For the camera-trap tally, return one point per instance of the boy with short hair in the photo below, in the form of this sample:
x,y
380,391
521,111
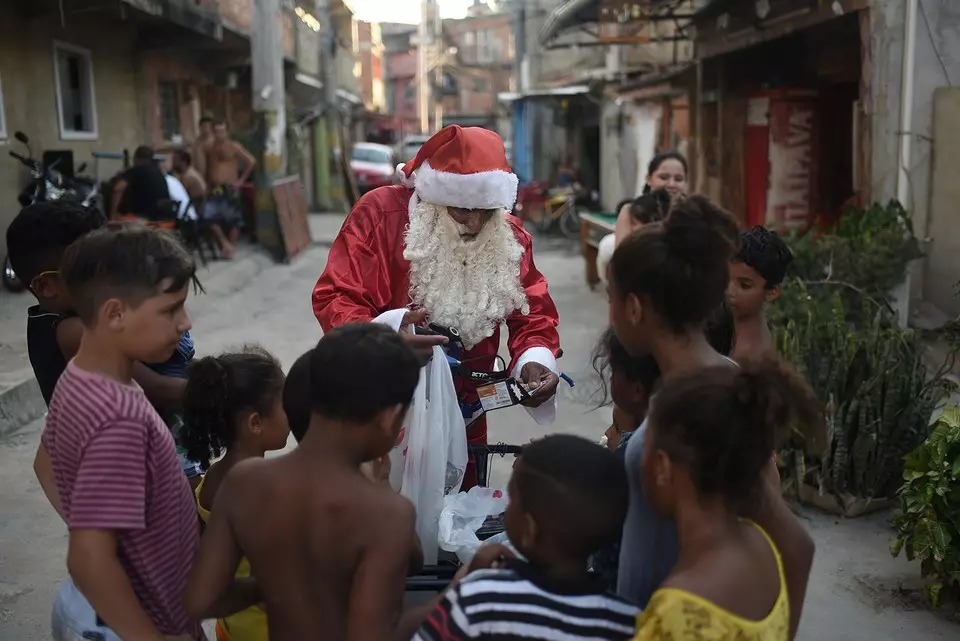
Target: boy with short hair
x,y
36,241
756,273
568,499
130,512
329,549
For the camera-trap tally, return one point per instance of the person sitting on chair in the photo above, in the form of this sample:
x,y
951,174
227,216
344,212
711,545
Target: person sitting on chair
x,y
141,192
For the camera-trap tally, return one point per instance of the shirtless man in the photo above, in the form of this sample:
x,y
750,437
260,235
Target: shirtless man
x,y
191,178
201,145
222,208
329,548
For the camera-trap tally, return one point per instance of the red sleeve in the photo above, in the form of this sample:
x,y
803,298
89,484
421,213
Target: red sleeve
x,y
447,622
538,328
110,489
355,285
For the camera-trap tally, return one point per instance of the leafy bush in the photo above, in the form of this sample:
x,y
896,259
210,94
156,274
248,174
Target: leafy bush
x,y
928,525
877,395
863,258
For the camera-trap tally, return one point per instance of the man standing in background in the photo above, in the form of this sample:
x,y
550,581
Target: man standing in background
x,y
224,178
201,144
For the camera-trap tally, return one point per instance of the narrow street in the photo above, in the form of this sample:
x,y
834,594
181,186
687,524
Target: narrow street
x,y
854,590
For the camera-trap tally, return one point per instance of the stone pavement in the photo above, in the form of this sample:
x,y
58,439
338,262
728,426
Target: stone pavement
x,y
855,588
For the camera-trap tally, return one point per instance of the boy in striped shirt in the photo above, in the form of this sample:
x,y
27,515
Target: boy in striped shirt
x,y
568,498
128,506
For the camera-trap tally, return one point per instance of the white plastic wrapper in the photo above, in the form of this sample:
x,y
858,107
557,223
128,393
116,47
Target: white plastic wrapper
x,y
463,514
431,456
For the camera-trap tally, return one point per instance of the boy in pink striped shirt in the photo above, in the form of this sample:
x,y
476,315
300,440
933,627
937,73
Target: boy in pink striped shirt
x,y
131,514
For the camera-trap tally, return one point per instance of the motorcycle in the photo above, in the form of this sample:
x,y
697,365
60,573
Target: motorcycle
x,y
47,184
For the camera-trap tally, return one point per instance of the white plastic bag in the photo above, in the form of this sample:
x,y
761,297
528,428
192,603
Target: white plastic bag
x,y
432,455
463,514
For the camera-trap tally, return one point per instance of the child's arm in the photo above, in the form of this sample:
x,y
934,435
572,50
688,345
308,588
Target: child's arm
x,y
376,596
93,565
212,591
162,391
796,547
43,468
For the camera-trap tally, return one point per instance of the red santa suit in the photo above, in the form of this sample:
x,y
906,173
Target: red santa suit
x,y
399,248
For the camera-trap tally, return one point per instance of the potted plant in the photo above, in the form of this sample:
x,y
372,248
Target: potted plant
x,y
835,324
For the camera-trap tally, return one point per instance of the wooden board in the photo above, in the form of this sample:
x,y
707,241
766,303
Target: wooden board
x,y
291,215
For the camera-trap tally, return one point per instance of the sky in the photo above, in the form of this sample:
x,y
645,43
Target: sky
x,y
403,10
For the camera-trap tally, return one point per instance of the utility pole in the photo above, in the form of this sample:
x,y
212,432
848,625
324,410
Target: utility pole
x,y
269,97
423,80
328,123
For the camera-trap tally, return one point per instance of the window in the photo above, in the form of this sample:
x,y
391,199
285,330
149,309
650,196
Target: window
x,y
3,117
169,109
408,93
480,85
76,101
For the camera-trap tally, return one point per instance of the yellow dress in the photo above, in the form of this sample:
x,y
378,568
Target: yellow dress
x,y
248,625
678,615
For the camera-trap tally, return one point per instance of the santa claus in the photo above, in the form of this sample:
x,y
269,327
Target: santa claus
x,y
443,247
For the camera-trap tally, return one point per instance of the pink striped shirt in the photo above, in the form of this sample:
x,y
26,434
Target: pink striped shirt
x,y
116,468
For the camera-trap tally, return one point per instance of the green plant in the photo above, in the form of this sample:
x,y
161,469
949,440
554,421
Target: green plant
x,y
928,525
877,395
862,258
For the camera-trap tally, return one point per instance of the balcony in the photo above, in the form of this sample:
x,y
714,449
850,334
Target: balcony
x,y
201,16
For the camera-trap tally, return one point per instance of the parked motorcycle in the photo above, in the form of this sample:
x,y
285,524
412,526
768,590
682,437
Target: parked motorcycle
x,y
47,184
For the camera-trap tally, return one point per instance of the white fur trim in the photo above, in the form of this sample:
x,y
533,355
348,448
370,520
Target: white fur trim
x,y
483,190
405,180
546,413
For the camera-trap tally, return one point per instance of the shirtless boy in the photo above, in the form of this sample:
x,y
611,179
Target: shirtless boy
x,y
756,273
222,208
329,548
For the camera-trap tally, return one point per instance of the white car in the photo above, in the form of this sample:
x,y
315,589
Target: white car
x,y
373,165
410,146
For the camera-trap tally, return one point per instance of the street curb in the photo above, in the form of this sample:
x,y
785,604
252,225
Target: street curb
x,y
23,403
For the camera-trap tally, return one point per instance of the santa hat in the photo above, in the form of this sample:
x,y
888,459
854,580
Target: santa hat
x,y
462,167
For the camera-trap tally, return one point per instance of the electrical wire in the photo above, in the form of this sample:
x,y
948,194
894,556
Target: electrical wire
x,y
933,42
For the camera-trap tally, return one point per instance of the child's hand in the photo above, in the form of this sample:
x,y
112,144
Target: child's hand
x,y
489,556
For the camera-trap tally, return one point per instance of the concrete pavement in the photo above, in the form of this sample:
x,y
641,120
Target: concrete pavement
x,y
854,590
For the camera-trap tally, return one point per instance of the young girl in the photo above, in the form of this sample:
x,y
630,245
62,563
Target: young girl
x,y
233,408
631,381
666,283
709,441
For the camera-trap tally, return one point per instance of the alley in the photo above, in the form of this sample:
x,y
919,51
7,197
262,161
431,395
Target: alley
x,y
854,591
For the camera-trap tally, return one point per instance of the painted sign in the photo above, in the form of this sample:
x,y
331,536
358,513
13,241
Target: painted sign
x,y
790,198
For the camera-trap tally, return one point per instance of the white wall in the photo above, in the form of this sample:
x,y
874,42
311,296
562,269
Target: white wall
x,y
937,64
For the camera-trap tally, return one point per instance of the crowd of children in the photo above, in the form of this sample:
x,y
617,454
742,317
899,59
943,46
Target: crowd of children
x,y
676,525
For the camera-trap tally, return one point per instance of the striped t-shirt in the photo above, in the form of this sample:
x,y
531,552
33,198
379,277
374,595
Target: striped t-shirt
x,y
116,468
518,603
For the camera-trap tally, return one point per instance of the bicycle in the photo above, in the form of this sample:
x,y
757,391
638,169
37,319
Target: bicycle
x,y
559,208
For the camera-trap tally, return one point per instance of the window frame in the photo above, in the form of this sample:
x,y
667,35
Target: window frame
x,y
66,134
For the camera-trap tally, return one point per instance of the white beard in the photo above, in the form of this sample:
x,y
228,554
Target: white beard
x,y
470,285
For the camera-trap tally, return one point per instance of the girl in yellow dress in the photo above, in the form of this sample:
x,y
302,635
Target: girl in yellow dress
x,y
233,408
707,461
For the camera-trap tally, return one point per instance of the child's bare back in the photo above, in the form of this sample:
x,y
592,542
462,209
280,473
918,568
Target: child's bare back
x,y
315,537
